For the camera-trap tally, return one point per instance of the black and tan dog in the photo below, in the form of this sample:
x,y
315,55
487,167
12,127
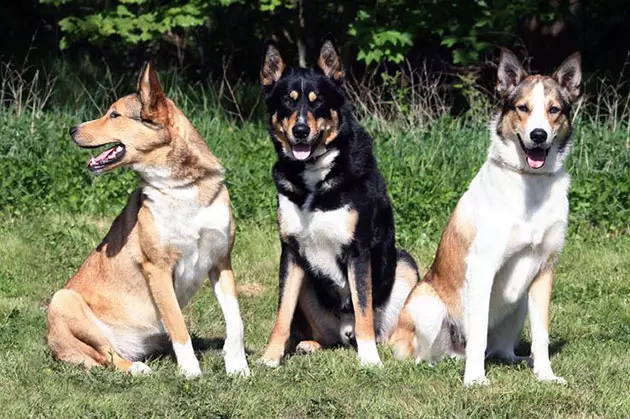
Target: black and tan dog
x,y
125,301
340,272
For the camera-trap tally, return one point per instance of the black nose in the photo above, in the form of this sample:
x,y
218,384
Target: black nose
x,y
349,334
73,130
538,135
301,131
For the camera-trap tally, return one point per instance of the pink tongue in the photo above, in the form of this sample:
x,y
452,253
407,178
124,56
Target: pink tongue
x,y
104,154
536,158
301,151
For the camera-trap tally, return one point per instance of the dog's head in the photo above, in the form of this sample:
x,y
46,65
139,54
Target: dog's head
x,y
134,128
303,105
533,127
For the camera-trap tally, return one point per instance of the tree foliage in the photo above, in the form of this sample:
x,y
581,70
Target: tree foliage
x,y
376,31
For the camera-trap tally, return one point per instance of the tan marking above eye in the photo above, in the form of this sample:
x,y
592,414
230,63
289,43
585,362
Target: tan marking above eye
x,y
294,94
312,97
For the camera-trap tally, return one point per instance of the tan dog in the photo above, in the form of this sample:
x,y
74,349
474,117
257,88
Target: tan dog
x,y
125,301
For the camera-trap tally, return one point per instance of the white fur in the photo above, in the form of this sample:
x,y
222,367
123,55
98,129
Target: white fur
x,y
386,316
508,151
520,221
318,170
201,234
538,113
321,235
139,368
368,354
233,348
428,313
186,359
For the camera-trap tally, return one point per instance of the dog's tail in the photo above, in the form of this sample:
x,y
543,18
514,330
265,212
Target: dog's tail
x,y
403,336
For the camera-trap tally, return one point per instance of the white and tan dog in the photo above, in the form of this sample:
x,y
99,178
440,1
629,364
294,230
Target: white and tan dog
x,y
496,258
125,301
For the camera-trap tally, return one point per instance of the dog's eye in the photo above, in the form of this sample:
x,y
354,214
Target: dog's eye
x,y
114,115
554,110
522,108
287,101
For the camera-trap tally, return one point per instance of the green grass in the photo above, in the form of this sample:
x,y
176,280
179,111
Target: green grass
x,y
53,213
590,332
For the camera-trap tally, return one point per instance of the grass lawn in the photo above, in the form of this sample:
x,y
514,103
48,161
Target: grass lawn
x,y
590,340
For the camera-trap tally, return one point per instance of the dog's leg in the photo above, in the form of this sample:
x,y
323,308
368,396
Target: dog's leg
x,y
427,312
291,277
234,347
73,336
323,324
482,264
360,281
160,281
538,304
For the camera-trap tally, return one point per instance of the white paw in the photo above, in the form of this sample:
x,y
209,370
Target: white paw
x,y
476,381
271,363
236,365
190,371
550,377
368,354
139,368
371,361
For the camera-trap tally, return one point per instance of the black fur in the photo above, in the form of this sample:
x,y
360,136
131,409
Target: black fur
x,y
353,180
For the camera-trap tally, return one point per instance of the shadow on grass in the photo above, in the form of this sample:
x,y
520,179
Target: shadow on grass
x,y
200,345
523,351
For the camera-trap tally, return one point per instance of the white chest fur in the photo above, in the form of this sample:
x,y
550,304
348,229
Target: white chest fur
x,y
200,233
320,234
520,222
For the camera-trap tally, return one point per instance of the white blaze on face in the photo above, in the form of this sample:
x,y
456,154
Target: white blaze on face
x,y
538,116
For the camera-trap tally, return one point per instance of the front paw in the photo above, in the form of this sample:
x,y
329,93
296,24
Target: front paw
x,y
236,366
269,362
473,381
550,377
191,370
370,360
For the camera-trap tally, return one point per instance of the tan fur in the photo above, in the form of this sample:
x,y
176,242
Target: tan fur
x,y
540,290
329,127
282,325
279,131
293,94
444,279
364,316
448,271
402,339
312,96
516,119
128,279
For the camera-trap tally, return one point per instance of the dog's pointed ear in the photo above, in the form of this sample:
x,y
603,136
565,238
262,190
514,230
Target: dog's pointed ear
x,y
569,75
329,61
150,91
510,72
273,65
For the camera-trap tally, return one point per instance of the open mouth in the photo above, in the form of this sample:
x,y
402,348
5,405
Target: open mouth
x,y
535,156
301,151
112,154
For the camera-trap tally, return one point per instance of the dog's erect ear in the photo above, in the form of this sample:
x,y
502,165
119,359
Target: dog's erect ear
x,y
510,72
329,60
569,75
273,66
151,93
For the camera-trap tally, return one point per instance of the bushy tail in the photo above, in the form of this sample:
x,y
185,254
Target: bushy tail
x,y
402,339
